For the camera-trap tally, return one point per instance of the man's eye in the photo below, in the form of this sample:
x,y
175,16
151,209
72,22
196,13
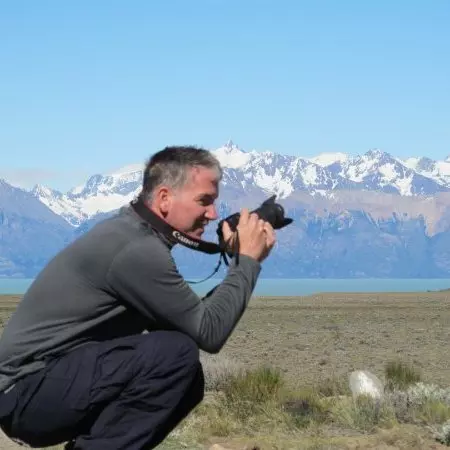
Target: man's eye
x,y
205,201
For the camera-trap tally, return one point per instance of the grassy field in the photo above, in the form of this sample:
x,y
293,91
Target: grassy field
x,y
309,346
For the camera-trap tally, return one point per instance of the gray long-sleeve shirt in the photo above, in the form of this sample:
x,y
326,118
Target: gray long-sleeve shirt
x,y
117,279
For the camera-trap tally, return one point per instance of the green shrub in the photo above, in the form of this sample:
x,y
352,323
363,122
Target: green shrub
x,y
400,375
257,386
252,394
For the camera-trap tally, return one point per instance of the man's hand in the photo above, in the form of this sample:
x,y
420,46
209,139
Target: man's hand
x,y
256,236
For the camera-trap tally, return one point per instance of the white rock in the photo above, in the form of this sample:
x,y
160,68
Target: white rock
x,y
363,382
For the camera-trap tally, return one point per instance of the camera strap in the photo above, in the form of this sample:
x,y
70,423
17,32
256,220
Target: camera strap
x,y
178,237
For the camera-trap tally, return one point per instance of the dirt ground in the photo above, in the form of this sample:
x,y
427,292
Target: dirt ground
x,y
312,338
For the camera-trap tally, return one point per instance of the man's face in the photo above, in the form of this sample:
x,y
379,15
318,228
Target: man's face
x,y
192,206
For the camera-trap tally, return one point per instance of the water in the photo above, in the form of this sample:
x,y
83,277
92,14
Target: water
x,y
291,287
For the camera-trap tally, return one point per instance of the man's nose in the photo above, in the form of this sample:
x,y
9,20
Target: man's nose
x,y
211,213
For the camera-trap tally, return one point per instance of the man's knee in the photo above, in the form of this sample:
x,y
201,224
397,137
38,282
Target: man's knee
x,y
171,349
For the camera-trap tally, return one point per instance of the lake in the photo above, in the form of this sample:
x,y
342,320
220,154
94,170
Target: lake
x,y
291,287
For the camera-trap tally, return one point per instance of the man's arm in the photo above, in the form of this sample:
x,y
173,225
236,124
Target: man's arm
x,y
144,275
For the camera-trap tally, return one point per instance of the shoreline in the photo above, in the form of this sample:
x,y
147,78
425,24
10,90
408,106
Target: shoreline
x,y
302,287
338,295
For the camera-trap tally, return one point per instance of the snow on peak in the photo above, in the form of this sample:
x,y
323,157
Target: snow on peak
x,y
129,173
438,171
77,190
410,163
328,158
59,204
231,156
271,172
230,144
40,190
376,155
375,152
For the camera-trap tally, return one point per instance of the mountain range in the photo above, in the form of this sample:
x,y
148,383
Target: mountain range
x,y
370,215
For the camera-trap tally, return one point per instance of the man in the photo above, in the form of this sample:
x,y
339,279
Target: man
x,y
75,363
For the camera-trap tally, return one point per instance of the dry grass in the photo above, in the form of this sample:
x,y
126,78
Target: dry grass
x,y
217,369
315,342
257,410
281,381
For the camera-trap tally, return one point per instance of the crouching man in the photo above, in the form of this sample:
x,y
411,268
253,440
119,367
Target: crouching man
x,y
75,363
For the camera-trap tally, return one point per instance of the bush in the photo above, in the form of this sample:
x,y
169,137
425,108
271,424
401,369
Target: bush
x,y
363,413
307,407
442,434
248,402
422,392
433,412
258,403
258,386
332,387
400,375
218,369
426,403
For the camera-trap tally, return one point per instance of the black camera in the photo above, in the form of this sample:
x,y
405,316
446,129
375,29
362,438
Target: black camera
x,y
269,211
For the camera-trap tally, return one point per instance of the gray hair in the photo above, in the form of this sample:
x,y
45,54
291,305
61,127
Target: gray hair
x,y
171,166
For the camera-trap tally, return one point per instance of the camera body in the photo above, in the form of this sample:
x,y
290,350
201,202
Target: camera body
x,y
269,211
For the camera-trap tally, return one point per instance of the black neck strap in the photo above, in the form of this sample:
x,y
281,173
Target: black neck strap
x,y
175,236
178,237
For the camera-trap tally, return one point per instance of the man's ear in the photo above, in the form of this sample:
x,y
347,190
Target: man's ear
x,y
163,199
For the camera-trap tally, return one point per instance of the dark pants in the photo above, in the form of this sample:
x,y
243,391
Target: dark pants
x,y
128,393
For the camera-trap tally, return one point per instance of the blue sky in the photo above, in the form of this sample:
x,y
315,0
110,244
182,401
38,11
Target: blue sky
x,y
89,86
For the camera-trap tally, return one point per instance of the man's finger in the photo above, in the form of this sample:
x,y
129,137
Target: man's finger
x,y
261,225
228,236
226,231
244,216
253,219
271,241
270,234
268,228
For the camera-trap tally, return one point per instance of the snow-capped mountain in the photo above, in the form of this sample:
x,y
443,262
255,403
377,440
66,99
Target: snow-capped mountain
x,y
438,171
378,170
345,233
326,159
278,174
60,204
268,172
30,233
100,194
